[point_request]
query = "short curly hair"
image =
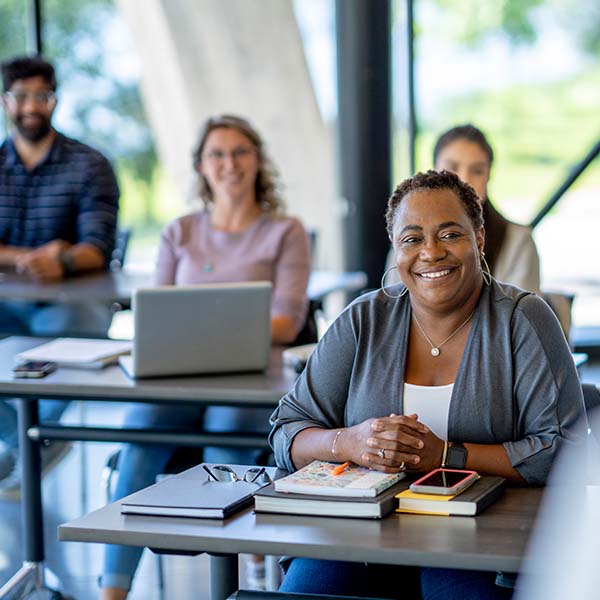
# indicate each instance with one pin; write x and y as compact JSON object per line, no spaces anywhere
{"x":267,"y":184}
{"x":436,"y":180}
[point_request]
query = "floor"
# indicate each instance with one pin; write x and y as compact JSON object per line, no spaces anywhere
{"x":78,"y":565}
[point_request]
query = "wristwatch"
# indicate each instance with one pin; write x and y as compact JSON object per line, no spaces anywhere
{"x":67,"y":262}
{"x":456,"y":457}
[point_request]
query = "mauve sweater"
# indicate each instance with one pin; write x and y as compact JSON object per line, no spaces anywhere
{"x":271,"y":248}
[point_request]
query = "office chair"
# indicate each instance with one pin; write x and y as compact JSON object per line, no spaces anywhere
{"x":561,"y":304}
{"x":117,"y":259}
{"x":591,"y":400}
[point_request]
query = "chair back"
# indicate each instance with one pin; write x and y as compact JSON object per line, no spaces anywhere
{"x":591,"y":397}
{"x":117,"y":259}
{"x":562,"y":305}
{"x":309,"y":333}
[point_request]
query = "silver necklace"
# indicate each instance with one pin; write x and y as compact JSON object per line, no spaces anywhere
{"x":435,"y":349}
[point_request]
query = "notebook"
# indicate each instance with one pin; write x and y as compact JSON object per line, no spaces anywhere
{"x":268,"y":500}
{"x":485,"y":491}
{"x":77,"y":352}
{"x":196,"y":329}
{"x":317,"y":478}
{"x":192,"y":494}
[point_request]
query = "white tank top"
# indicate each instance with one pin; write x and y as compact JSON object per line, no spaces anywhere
{"x":431,"y":403}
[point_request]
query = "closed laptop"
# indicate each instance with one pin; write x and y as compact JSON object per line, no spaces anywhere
{"x":195,"y":329}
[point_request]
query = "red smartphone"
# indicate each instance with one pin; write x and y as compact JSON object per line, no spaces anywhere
{"x":446,"y":482}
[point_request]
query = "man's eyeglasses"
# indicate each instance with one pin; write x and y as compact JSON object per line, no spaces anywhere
{"x":236,"y":154}
{"x":225,"y":474}
{"x":40,"y":98}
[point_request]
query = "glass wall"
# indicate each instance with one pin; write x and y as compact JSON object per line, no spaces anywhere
{"x":527,"y":73}
{"x":98,"y":72}
{"x":13,"y":37}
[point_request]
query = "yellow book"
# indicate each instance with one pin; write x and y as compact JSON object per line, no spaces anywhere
{"x":470,"y":502}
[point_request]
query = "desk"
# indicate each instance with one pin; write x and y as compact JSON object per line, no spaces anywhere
{"x":118,"y":287}
{"x":102,"y":286}
{"x":246,"y":390}
{"x":494,"y":540}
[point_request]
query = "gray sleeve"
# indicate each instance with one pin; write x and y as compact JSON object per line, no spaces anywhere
{"x":319,"y":396}
{"x":547,"y":392}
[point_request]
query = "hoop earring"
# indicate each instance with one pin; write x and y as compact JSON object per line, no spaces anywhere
{"x":402,"y":293}
{"x":485,"y":272}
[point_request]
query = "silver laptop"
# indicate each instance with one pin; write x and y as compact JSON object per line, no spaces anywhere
{"x":195,"y":329}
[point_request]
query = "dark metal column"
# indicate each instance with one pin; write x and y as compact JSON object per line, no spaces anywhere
{"x":412,"y":112}
{"x":576,"y":171}
{"x":364,"y":126}
{"x":34,"y":27}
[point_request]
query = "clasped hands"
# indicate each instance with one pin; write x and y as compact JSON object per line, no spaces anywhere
{"x":43,"y":263}
{"x":394,"y":443}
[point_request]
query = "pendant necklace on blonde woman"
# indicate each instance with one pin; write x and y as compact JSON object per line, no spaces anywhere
{"x":435,"y":348}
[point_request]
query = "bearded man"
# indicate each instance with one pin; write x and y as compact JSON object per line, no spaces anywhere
{"x":58,"y":212}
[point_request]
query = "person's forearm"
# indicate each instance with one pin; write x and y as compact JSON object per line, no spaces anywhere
{"x":491,"y":459}
{"x":9,"y":254}
{"x":86,"y":257}
{"x":283,"y":330}
{"x":314,"y":443}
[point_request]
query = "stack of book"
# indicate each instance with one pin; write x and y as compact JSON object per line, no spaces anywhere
{"x":316,"y":490}
{"x":470,"y":502}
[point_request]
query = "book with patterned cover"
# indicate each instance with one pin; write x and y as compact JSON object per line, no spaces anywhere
{"x":318,"y":479}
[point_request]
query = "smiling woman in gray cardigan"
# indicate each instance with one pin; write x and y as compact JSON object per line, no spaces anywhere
{"x":516,"y":385}
{"x":450,"y":369}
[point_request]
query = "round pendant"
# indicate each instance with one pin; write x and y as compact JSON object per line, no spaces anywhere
{"x":207,"y":268}
{"x":435,"y":352}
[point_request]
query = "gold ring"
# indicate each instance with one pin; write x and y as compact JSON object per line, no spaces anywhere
{"x":381,"y":453}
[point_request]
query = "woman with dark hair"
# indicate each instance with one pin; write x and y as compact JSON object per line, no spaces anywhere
{"x":509,"y":248}
{"x":241,"y":235}
{"x":450,"y":368}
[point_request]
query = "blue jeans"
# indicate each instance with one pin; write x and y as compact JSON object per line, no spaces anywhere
{"x":30,"y":318}
{"x":310,"y":576}
{"x":139,"y":465}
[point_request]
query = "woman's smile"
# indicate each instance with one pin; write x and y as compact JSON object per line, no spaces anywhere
{"x":436,"y":274}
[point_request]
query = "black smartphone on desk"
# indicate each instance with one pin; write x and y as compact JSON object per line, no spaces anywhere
{"x":34,"y":369}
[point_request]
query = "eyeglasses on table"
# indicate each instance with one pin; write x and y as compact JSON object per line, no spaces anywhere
{"x":225,"y":474}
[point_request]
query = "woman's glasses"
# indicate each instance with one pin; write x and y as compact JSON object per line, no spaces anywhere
{"x":240,"y":153}
{"x":225,"y":474}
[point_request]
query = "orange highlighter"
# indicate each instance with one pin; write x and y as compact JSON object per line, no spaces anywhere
{"x":340,"y":468}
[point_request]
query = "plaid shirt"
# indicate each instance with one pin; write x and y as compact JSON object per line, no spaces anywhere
{"x":72,"y":195}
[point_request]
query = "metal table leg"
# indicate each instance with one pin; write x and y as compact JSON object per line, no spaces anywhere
{"x":31,"y":576}
{"x":31,"y":485}
{"x":223,"y":575}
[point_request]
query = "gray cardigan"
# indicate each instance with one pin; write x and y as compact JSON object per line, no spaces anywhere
{"x":516,"y":385}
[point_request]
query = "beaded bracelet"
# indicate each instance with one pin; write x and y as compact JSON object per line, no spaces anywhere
{"x":335,"y":439}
